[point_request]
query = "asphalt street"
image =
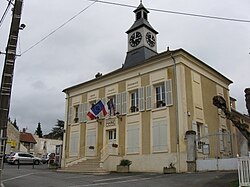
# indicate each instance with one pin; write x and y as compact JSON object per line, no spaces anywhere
{"x":41,"y":176}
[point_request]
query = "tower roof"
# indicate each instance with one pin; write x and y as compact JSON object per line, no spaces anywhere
{"x":142,"y":20}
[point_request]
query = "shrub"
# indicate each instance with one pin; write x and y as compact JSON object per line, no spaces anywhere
{"x":125,"y":162}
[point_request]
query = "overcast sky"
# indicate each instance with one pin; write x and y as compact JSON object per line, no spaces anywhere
{"x":95,"y":41}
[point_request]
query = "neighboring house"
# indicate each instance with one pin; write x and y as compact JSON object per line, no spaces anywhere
{"x":27,"y":142}
{"x":45,"y":145}
{"x":242,"y":145}
{"x":153,"y":100}
{"x":13,"y":136}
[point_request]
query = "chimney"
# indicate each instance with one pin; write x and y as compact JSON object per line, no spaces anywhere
{"x":24,"y":130}
{"x":247,"y":96}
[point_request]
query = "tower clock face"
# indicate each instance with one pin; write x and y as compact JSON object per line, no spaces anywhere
{"x":150,"y":39}
{"x":135,"y":39}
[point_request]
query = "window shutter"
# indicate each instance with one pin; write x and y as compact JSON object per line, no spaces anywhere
{"x":133,"y":138}
{"x":168,"y":92}
{"x":149,"y":97}
{"x":163,"y":136}
{"x":155,"y":138}
{"x":119,"y":103}
{"x":74,"y":144}
{"x":85,"y":111}
{"x":70,"y":115}
{"x":141,"y":99}
{"x":124,"y":103}
{"x":159,"y":130}
{"x":81,"y":112}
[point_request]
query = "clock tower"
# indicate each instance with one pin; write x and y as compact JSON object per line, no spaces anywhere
{"x":142,"y":43}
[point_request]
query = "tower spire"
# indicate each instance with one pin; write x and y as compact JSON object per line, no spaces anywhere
{"x":141,"y":39}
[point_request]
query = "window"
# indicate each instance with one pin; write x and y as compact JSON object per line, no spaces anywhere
{"x":112,"y":134}
{"x":159,"y":133}
{"x":76,"y":108}
{"x":133,"y":138}
{"x":225,"y":140}
{"x":201,"y":134}
{"x":134,"y":101}
{"x":111,"y":105}
{"x":160,"y":95}
{"x":121,"y":103}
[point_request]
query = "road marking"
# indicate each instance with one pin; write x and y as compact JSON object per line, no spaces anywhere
{"x":18,"y":177}
{"x":117,"y":182}
{"x":76,"y":177}
{"x":109,"y":179}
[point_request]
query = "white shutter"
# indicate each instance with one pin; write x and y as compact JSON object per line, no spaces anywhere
{"x":80,"y":112}
{"x":124,"y":103}
{"x":70,"y":115}
{"x":163,"y":136}
{"x":159,"y":133}
{"x":141,"y":99}
{"x":156,"y":142}
{"x":133,"y":138}
{"x":85,"y":111}
{"x":119,"y":103}
{"x":74,"y":143}
{"x":168,"y":92}
{"x":149,"y":97}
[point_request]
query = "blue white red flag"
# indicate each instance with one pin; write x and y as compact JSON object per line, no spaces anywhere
{"x":96,"y":110}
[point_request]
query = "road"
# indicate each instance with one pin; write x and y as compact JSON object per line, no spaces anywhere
{"x":41,"y":176}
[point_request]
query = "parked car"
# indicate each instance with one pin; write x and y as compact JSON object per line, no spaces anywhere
{"x":23,"y":158}
{"x":47,"y":157}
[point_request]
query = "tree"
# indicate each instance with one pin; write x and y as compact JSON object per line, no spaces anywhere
{"x":57,"y":131}
{"x":39,"y":130}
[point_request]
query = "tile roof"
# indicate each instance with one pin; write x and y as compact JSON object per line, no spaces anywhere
{"x":27,"y":137}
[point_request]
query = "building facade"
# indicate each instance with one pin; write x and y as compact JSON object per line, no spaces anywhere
{"x":153,"y":100}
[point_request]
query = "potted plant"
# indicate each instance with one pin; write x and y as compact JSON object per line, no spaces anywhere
{"x":169,"y":169}
{"x":114,"y":145}
{"x":53,"y":165}
{"x":124,"y":166}
{"x":91,"y":147}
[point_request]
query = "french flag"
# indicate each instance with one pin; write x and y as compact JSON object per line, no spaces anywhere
{"x":97,"y":109}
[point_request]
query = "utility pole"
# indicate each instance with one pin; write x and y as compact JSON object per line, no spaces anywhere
{"x":7,"y":78}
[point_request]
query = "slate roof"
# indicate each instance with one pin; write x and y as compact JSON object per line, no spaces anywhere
{"x":27,"y":137}
{"x":137,"y":57}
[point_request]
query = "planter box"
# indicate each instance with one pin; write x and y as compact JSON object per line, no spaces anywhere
{"x":122,"y":169}
{"x":169,"y":170}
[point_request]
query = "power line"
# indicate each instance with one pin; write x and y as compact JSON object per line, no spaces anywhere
{"x":44,"y":38}
{"x":179,"y":13}
{"x":5,"y":12}
{"x":132,"y":6}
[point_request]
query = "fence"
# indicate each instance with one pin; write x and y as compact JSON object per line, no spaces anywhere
{"x":244,"y":171}
{"x":216,"y":145}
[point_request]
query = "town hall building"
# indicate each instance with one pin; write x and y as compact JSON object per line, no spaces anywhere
{"x":153,"y":100}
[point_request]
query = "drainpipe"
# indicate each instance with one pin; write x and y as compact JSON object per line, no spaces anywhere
{"x":177,"y":115}
{"x":64,"y":132}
